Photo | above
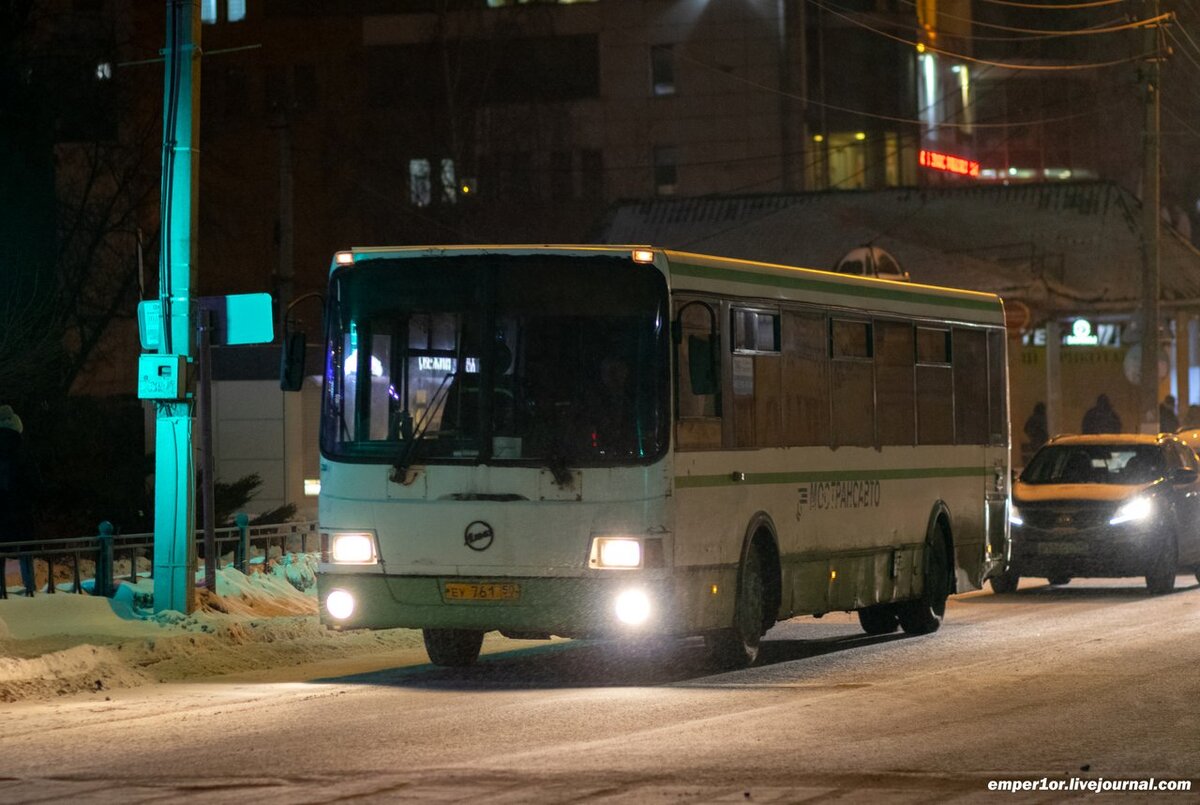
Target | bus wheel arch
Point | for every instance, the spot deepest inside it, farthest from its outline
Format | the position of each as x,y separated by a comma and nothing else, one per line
757,597
924,614
761,536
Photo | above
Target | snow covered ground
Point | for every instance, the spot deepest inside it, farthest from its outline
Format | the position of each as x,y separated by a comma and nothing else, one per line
260,623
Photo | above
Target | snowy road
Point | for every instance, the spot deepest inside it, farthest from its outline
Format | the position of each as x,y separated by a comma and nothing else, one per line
1094,680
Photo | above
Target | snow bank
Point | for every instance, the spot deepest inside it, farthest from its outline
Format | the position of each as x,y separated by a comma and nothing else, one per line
64,643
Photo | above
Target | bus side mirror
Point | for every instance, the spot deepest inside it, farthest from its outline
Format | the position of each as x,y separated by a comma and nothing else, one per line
702,363
291,362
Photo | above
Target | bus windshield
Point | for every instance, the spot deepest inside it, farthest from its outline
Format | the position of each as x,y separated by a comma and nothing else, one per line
549,359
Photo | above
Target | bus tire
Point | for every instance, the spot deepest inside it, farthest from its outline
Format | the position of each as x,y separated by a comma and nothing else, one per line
738,646
1005,583
454,648
1160,579
1059,580
879,619
924,615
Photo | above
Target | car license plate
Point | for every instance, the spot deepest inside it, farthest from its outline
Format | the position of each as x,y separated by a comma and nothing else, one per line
482,591
1061,548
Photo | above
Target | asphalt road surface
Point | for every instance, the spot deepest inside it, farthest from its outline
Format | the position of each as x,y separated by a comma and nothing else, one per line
1094,681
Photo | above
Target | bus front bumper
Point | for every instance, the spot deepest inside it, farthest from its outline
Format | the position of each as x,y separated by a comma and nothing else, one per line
567,607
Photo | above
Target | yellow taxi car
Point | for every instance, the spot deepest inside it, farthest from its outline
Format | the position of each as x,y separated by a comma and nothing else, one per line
1106,505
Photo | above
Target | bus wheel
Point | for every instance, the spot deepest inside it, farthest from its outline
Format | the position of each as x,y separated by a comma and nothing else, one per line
737,647
1161,578
453,647
924,615
1006,582
1059,581
879,619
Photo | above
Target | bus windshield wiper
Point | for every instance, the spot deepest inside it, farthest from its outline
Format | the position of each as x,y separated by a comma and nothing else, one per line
556,462
408,449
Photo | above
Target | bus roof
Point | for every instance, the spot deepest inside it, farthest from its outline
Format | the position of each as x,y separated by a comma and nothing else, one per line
704,273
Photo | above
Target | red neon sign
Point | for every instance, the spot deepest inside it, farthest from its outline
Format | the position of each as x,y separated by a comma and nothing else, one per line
948,163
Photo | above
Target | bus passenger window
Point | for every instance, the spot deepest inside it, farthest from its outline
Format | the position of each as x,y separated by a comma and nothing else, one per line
699,380
853,384
997,389
970,386
935,389
894,360
805,380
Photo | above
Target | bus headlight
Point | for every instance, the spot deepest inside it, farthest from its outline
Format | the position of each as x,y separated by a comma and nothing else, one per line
339,604
616,552
633,607
353,549
1136,509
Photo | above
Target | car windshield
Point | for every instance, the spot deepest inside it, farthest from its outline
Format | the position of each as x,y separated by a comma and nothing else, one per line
549,359
1095,464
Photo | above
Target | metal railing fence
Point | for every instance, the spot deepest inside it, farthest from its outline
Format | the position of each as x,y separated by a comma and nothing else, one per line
106,547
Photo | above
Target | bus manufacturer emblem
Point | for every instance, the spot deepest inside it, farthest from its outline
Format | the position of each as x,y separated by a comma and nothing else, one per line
479,536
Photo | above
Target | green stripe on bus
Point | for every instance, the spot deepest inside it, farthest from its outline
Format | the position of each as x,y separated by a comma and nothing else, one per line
825,286
764,478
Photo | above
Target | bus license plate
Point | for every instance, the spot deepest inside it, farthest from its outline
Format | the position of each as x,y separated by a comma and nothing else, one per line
482,591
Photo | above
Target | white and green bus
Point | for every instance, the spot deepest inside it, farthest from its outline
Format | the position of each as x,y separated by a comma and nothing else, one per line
591,441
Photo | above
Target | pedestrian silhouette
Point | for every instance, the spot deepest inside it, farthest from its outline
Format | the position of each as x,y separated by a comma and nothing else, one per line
1101,418
1036,429
1168,420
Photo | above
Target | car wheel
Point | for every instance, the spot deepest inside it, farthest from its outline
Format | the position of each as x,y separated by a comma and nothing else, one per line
455,648
1005,583
737,646
879,619
924,615
1059,581
1161,578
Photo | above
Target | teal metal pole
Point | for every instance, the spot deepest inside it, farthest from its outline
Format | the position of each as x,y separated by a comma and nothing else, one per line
175,471
103,584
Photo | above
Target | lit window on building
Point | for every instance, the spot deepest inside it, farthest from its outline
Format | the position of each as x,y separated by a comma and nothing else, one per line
104,70
662,70
420,191
847,159
666,173
210,11
449,182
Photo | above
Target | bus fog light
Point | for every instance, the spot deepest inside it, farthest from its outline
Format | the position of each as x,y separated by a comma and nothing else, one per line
339,604
633,607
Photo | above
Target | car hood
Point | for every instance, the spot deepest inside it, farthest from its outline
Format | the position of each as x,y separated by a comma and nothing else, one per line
1037,493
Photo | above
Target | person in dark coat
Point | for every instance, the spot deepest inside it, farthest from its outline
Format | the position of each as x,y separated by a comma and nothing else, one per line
1101,418
1036,428
18,488
1168,420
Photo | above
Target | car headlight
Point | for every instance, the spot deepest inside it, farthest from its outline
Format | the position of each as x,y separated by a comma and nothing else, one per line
1014,516
616,552
1136,509
353,549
